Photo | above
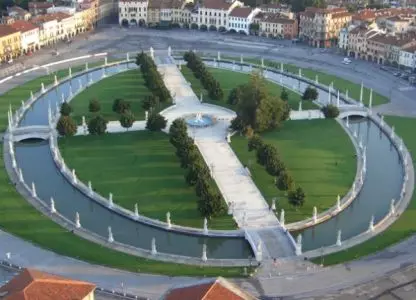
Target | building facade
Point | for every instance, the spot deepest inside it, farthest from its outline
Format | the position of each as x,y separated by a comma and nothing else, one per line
10,46
133,12
48,29
407,58
320,27
240,19
29,35
274,25
213,14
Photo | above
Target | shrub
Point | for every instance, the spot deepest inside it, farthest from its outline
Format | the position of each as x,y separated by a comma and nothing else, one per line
150,102
237,124
297,197
284,181
330,111
265,152
156,122
120,106
66,126
94,106
127,119
97,125
284,95
255,142
66,109
275,167
195,172
310,93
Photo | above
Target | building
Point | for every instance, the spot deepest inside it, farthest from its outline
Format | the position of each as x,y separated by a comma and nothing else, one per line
29,35
277,8
213,14
320,27
407,58
39,8
61,9
9,43
66,25
132,12
33,285
398,24
217,289
153,12
358,42
275,25
18,13
48,29
240,18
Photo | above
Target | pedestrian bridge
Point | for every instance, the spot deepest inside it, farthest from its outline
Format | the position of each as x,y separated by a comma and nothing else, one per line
30,132
352,110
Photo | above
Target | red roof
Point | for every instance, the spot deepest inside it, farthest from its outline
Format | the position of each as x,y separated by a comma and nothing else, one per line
219,289
241,12
23,26
6,30
216,4
42,5
35,285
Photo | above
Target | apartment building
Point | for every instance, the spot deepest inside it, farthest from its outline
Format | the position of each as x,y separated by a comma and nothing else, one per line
9,43
278,26
39,8
240,18
398,24
29,35
48,29
213,14
358,42
18,13
320,27
133,12
407,57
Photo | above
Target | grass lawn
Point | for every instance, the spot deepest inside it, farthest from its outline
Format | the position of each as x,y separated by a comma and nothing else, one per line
230,79
320,157
339,83
19,218
16,95
404,227
138,167
128,85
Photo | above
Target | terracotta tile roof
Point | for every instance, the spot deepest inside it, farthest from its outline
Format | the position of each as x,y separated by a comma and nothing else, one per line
411,49
60,16
23,26
43,18
216,4
218,289
35,285
41,5
6,30
277,18
241,12
397,19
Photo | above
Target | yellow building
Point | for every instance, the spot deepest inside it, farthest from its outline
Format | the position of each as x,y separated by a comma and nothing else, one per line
9,43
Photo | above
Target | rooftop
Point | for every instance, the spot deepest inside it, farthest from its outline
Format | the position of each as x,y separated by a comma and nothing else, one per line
216,4
218,289
35,285
23,26
411,49
6,30
36,4
241,12
276,18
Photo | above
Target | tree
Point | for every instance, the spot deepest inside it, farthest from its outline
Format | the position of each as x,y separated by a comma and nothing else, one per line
235,96
275,166
284,181
150,102
297,197
66,126
237,124
211,204
127,119
120,106
156,122
201,186
265,152
284,95
330,111
97,125
310,93
255,142
94,106
286,111
195,172
66,109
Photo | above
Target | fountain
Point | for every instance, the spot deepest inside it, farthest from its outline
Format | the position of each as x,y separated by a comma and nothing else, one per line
299,245
77,220
339,242
204,252
338,203
110,200
282,217
53,209
90,191
34,195
21,176
168,220
259,252
315,214
199,120
154,251
371,225
205,226
136,211
42,88
110,235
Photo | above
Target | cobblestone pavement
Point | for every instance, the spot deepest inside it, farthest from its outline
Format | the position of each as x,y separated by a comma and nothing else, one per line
296,280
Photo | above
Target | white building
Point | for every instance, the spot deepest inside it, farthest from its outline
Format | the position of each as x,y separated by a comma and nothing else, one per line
398,24
213,14
133,12
48,29
61,9
343,37
240,19
407,57
67,26
29,35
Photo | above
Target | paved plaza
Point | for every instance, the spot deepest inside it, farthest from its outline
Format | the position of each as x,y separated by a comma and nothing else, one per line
391,272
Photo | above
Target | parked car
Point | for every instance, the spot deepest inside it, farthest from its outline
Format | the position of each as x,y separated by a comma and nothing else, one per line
10,61
397,73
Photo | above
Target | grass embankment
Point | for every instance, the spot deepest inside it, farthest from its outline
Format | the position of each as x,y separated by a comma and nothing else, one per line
404,227
324,78
18,217
231,79
138,167
128,85
317,153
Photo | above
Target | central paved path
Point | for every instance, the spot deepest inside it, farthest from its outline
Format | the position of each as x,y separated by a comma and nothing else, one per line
247,205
